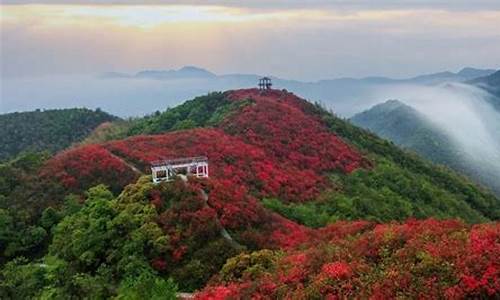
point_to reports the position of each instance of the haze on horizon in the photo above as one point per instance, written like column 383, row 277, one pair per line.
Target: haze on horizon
column 293, row 40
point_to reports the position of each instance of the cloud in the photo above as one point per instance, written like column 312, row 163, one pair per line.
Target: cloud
column 464, row 114
column 322, row 40
column 293, row 4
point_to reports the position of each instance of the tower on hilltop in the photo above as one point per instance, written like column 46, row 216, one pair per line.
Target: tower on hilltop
column 265, row 83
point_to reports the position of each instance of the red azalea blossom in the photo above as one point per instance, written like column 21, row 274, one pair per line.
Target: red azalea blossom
column 159, row 264
column 411, row 259
column 178, row 253
column 219, row 293
column 336, row 270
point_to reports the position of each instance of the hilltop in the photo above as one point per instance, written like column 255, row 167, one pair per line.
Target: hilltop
column 47, row 130
column 401, row 124
column 281, row 169
column 276, row 131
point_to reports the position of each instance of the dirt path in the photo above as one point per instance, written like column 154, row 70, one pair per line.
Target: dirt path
column 185, row 296
column 223, row 232
column 126, row 162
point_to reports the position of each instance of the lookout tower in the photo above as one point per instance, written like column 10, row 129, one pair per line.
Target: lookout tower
column 166, row 170
column 265, row 83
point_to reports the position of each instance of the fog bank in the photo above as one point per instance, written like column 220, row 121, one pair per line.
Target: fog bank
column 464, row 113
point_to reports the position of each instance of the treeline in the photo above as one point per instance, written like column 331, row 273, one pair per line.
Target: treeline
column 95, row 250
column 47, row 130
column 202, row 111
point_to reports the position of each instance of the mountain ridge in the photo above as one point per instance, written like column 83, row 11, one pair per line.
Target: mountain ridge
column 410, row 129
column 289, row 181
column 51, row 130
column 465, row 74
column 490, row 83
column 257, row 115
column 182, row 73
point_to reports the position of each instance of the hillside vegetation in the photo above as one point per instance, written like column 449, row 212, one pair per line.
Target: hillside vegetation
column 410, row 129
column 491, row 83
column 417, row 259
column 281, row 169
column 47, row 130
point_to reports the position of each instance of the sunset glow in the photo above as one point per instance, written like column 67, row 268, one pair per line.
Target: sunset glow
column 230, row 37
column 142, row 16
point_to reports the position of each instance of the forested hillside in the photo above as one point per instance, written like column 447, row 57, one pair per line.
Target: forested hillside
column 417, row 259
column 410, row 129
column 292, row 208
column 50, row 130
column 490, row 83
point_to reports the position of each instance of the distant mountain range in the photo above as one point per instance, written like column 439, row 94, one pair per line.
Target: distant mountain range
column 410, row 129
column 346, row 96
column 465, row 74
column 182, row 73
column 151, row 90
column 490, row 83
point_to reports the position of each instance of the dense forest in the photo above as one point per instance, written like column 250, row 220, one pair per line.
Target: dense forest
column 47, row 130
column 299, row 204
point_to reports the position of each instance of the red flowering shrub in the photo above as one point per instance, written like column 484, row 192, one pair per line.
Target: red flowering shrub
column 336, row 270
column 278, row 124
column 271, row 147
column 159, row 264
column 230, row 159
column 416, row 259
column 235, row 208
column 187, row 217
column 288, row 234
column 219, row 293
column 80, row 168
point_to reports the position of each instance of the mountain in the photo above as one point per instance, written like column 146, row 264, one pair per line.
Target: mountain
column 151, row 90
column 48, row 130
column 471, row 73
column 410, row 129
column 292, row 208
column 187, row 72
column 183, row 73
column 491, row 80
column 465, row 74
column 461, row 76
column 490, row 83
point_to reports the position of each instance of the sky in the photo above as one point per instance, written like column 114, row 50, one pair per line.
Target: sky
column 304, row 40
